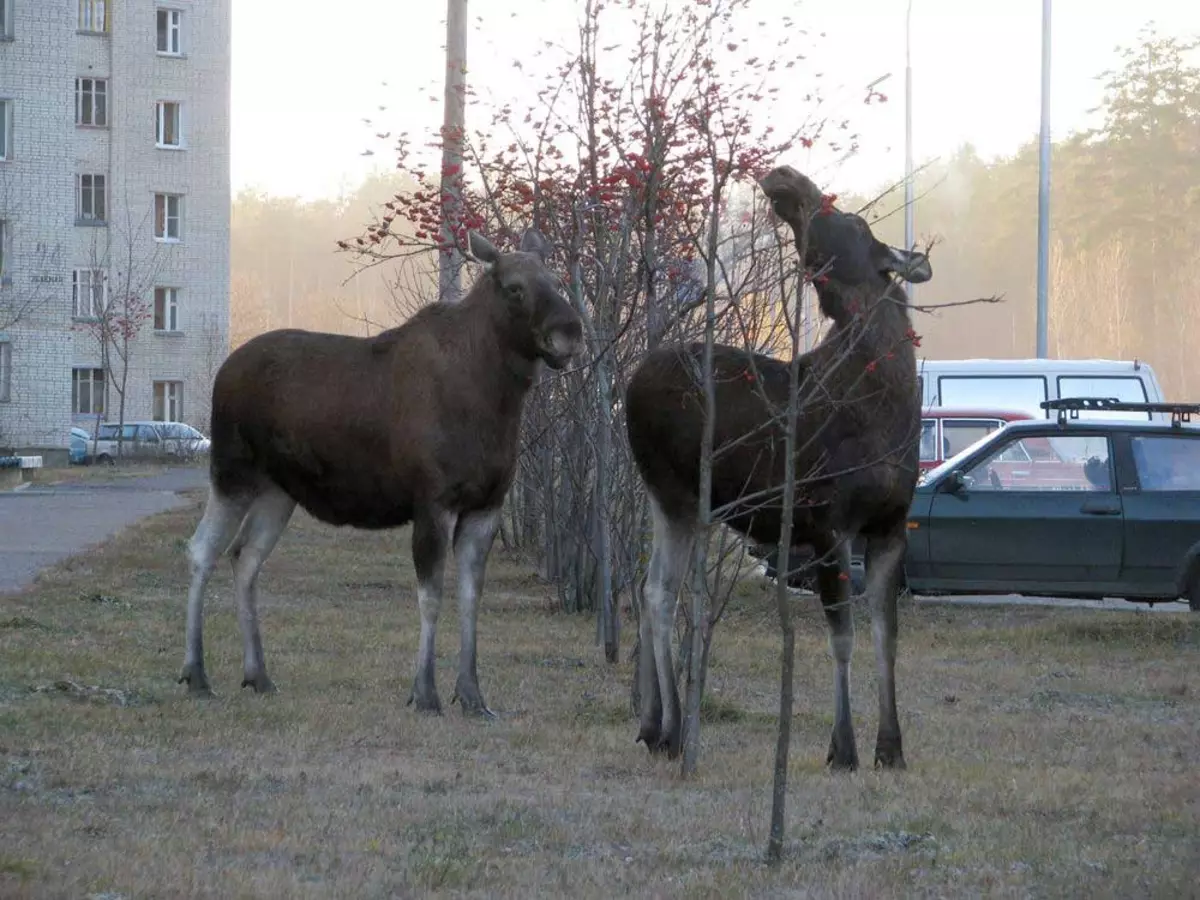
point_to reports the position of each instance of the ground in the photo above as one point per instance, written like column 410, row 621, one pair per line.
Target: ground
column 1051, row 751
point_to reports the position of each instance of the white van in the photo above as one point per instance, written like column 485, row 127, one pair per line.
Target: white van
column 1024, row 383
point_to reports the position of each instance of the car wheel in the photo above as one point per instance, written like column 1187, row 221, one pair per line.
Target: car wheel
column 105, row 460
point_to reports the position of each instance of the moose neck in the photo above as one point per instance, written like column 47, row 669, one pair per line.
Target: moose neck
column 874, row 330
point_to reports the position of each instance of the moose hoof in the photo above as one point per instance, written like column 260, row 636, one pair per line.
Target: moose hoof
column 193, row 676
column 842, row 757
column 660, row 742
column 425, row 699
column 890, row 758
column 468, row 696
column 261, row 684
column 649, row 735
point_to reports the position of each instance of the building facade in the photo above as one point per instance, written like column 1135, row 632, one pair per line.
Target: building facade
column 114, row 212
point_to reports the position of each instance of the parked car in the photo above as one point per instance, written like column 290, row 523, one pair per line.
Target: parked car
column 1066, row 507
column 948, row 430
column 149, row 440
column 78, row 450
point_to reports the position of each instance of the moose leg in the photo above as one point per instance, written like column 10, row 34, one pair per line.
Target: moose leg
column 266, row 521
column 833, row 581
column 885, row 556
column 673, row 547
column 219, row 524
column 650, row 711
column 431, row 536
column 472, row 543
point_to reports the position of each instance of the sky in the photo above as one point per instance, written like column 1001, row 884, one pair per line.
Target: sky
column 976, row 70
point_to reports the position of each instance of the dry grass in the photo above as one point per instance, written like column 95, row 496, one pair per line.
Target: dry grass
column 1051, row 752
column 99, row 472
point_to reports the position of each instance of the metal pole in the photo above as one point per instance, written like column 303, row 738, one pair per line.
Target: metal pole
column 453, row 124
column 908, row 154
column 1043, row 259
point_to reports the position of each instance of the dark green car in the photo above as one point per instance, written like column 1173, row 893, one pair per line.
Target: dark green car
column 1105, row 506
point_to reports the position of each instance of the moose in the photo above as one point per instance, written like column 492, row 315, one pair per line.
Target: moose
column 419, row 424
column 855, row 463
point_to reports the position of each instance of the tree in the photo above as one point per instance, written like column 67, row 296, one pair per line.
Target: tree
column 115, row 302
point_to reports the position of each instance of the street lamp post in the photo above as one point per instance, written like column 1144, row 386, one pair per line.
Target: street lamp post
column 908, row 155
column 1043, row 257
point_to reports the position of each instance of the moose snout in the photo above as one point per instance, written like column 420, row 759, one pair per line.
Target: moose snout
column 561, row 344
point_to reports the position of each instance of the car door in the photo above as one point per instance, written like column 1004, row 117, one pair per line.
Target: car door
column 1162, row 510
column 1038, row 512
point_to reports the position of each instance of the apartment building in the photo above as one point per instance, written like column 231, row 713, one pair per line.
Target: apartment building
column 114, row 212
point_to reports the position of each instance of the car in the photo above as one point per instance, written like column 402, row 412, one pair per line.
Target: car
column 947, row 430
column 148, row 440
column 1074, row 506
column 77, row 452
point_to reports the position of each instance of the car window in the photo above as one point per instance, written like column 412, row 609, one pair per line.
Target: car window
column 147, row 434
column 928, row 440
column 1128, row 388
column 1035, row 463
column 1167, row 463
column 107, row 432
column 1023, row 392
column 958, row 434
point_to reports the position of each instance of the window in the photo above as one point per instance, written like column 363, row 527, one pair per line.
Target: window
column 166, row 216
column 959, row 434
column 166, row 309
column 93, row 16
column 5, row 371
column 6, row 122
column 1067, row 463
column 91, row 102
column 167, row 124
column 6, row 18
column 1167, row 463
column 1023, row 392
column 1127, row 388
column 168, row 401
column 87, row 293
column 87, row 392
column 3, row 249
column 928, row 440
column 92, row 199
column 169, row 22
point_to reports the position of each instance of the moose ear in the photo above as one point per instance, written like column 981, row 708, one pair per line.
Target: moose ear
column 533, row 241
column 481, row 249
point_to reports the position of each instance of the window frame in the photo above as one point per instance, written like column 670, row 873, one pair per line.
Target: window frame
column 175, row 27
column 169, row 386
column 7, row 32
column 87, row 13
column 170, row 317
column 81, row 216
column 7, row 115
column 92, row 382
column 77, row 284
column 165, row 237
column 99, row 87
column 6, row 351
column 160, row 122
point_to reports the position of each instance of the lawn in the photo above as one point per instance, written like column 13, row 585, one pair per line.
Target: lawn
column 1051, row 752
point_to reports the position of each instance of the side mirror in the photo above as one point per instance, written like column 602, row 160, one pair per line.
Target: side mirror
column 954, row 483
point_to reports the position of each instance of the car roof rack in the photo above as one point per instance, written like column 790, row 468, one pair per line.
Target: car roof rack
column 1072, row 406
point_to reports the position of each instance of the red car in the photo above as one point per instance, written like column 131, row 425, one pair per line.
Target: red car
column 947, row 430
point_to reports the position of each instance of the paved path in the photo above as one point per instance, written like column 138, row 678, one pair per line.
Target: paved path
column 42, row 524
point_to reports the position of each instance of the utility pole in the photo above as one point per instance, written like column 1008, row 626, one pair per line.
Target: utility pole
column 909, row 238
column 1043, row 257
column 453, row 126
